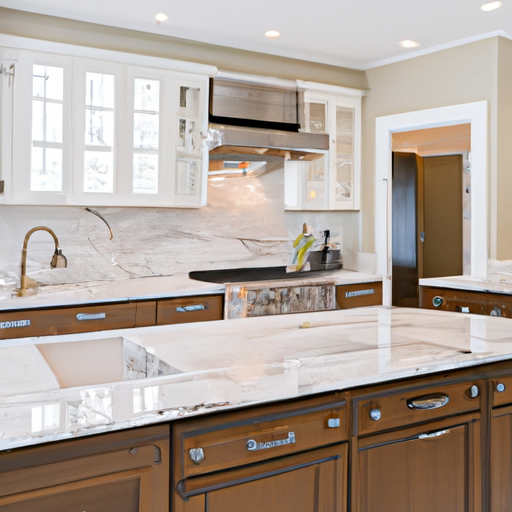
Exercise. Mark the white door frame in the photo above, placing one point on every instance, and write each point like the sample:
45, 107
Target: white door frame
385, 126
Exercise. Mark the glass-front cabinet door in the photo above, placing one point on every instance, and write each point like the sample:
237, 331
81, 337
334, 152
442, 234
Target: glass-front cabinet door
97, 132
331, 181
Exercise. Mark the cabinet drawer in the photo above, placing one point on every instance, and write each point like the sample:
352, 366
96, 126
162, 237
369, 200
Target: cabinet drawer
359, 295
387, 410
480, 303
501, 391
245, 441
44, 322
189, 309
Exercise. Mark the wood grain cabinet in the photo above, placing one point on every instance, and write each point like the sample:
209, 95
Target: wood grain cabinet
182, 310
127, 471
501, 444
99, 317
358, 295
463, 301
418, 449
288, 458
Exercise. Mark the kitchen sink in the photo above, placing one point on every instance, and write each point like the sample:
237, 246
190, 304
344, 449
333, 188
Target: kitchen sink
242, 275
100, 361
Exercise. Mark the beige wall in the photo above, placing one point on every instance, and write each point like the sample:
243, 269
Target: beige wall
458, 75
99, 36
502, 204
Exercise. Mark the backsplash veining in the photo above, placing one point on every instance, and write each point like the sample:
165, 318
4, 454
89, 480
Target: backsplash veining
243, 225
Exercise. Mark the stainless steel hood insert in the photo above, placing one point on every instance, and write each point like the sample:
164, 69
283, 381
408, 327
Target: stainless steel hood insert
259, 121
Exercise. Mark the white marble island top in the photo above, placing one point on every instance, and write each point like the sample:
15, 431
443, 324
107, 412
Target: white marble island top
227, 364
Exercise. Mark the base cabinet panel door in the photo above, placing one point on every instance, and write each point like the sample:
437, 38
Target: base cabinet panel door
420, 471
312, 482
125, 472
119, 492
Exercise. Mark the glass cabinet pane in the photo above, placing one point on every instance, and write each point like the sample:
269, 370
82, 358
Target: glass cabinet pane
47, 128
316, 117
189, 100
145, 173
99, 133
187, 176
99, 90
344, 178
146, 135
345, 131
99, 171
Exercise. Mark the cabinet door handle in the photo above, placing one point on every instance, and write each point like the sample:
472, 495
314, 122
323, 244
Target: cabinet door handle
90, 316
432, 435
253, 445
428, 402
193, 307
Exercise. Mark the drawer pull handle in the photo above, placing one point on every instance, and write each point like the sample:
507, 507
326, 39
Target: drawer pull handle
194, 307
437, 301
439, 433
359, 293
253, 446
428, 402
500, 387
90, 316
196, 455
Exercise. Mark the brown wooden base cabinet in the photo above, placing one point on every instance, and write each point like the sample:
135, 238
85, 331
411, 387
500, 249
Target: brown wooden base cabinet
418, 447
464, 301
287, 458
434, 443
126, 471
359, 295
100, 317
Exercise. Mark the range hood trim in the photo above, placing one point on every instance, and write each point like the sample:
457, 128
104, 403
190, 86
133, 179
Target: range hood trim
223, 135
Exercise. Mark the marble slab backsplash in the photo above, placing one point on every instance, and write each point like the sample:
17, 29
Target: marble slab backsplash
243, 225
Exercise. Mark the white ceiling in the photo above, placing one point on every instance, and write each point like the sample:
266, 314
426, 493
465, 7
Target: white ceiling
358, 34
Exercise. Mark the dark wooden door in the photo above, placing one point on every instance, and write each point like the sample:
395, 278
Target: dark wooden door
427, 472
427, 238
442, 206
405, 230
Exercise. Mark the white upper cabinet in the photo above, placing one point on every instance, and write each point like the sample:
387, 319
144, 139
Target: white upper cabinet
94, 132
333, 180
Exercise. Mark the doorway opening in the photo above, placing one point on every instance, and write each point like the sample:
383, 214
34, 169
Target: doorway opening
427, 221
474, 114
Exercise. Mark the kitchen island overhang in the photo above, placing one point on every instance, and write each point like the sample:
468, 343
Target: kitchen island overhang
231, 364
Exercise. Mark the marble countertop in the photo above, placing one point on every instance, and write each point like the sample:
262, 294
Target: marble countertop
494, 283
225, 364
146, 288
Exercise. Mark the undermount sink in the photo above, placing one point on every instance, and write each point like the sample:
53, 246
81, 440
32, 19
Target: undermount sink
242, 275
101, 361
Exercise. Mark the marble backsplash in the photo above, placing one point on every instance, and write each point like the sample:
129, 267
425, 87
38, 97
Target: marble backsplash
243, 225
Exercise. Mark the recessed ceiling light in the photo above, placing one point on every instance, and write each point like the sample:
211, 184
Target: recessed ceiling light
272, 33
161, 17
407, 43
491, 6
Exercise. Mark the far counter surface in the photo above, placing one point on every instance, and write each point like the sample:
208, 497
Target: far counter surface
148, 288
493, 284
234, 363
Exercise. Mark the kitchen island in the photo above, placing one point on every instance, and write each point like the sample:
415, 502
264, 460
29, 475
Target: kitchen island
361, 373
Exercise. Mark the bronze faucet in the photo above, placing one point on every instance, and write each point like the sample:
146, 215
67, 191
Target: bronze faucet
27, 285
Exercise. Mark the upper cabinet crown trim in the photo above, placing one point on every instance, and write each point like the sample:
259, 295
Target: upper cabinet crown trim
332, 89
25, 43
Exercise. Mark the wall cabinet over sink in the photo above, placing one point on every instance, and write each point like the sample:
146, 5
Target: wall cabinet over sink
102, 131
